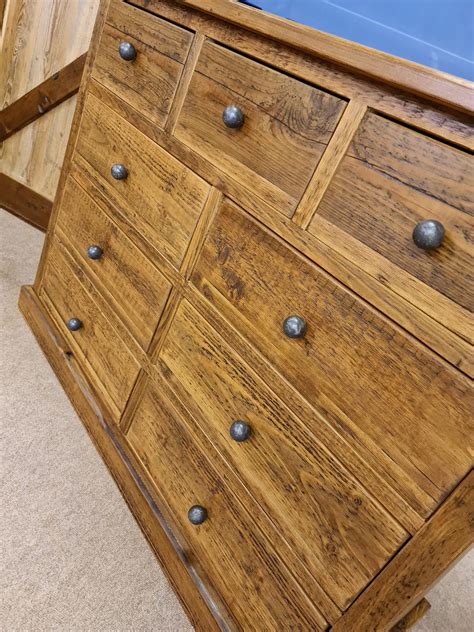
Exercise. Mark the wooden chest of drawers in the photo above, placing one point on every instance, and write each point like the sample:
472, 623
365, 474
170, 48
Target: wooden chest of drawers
257, 291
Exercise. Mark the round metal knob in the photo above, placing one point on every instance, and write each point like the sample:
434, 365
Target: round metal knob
119, 172
73, 324
233, 117
94, 252
127, 51
240, 430
197, 514
428, 234
294, 326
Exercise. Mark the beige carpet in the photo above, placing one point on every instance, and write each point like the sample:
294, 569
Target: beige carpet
72, 556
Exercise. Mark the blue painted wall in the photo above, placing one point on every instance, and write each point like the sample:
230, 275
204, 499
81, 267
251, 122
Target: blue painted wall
437, 33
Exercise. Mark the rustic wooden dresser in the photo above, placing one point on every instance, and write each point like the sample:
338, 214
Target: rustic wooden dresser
257, 290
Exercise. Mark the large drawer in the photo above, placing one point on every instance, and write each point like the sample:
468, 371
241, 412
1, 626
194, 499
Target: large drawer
386, 392
241, 566
342, 535
157, 194
148, 80
286, 127
138, 289
105, 358
392, 180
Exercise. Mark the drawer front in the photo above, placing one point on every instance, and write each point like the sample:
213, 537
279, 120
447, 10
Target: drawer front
137, 287
159, 195
286, 125
391, 180
105, 353
388, 393
148, 76
241, 566
338, 531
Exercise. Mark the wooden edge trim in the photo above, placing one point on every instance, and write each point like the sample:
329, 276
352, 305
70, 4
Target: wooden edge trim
24, 203
329, 162
418, 79
413, 616
420, 563
42, 98
185, 80
83, 400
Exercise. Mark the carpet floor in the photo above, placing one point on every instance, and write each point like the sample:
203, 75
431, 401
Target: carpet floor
72, 556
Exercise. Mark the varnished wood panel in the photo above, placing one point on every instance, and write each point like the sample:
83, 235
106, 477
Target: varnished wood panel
349, 354
138, 289
110, 360
286, 468
148, 82
255, 586
381, 191
283, 118
160, 195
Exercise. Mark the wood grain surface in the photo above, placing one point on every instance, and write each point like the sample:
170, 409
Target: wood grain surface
350, 354
341, 533
282, 117
148, 82
256, 587
138, 290
161, 195
110, 360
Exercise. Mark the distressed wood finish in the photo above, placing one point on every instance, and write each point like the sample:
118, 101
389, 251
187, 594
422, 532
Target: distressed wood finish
103, 351
282, 117
257, 589
286, 468
429, 435
148, 82
138, 290
381, 191
159, 194
361, 431
431, 552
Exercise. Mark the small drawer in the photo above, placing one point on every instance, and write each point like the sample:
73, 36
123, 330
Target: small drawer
411, 411
139, 290
379, 209
151, 189
310, 496
285, 124
105, 358
140, 59
222, 543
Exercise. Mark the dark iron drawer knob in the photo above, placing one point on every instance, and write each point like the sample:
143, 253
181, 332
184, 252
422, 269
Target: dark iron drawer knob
294, 326
428, 234
127, 51
73, 324
119, 172
240, 430
94, 252
197, 514
233, 117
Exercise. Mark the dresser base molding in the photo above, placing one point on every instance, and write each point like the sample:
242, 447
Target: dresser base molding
109, 448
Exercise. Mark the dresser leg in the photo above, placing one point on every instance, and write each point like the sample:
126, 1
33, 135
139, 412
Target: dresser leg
413, 616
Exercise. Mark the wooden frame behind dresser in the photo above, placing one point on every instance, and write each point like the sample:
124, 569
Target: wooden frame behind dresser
431, 103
